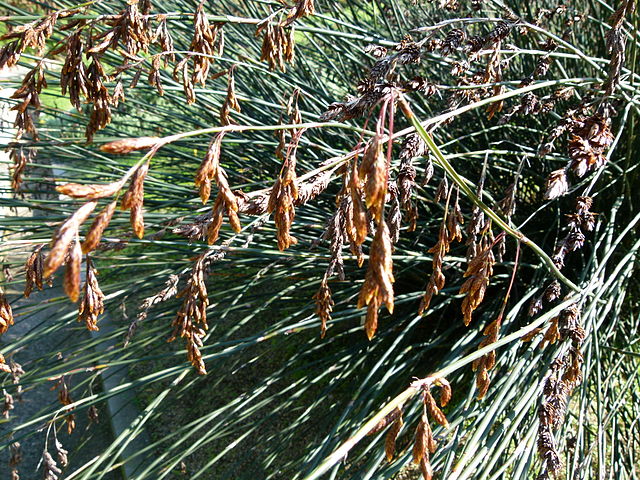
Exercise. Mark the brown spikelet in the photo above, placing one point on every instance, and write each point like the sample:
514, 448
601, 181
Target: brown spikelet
284, 195
421, 441
191, 320
324, 305
133, 199
231, 101
65, 399
437, 279
485, 363
391, 417
209, 167
278, 44
425, 469
478, 272
33, 271
128, 145
92, 304
64, 236
71, 280
445, 390
373, 170
378, 284
358, 212
300, 9
392, 435
6, 314
433, 410
89, 192
97, 228
226, 202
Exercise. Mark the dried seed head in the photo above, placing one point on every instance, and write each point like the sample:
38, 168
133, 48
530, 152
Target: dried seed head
34, 271
324, 305
378, 284
6, 314
386, 421
100, 223
433, 410
128, 145
390, 439
64, 236
374, 171
556, 184
92, 304
209, 167
231, 101
71, 281
89, 191
134, 197
478, 273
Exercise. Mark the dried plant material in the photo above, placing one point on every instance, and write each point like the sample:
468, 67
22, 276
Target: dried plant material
71, 280
8, 404
169, 291
485, 363
29, 96
324, 305
65, 399
230, 101
20, 157
191, 320
97, 228
437, 278
92, 304
616, 43
378, 283
6, 314
445, 390
51, 471
64, 236
478, 273
61, 453
3, 365
390, 418
209, 167
15, 458
284, 195
300, 9
207, 41
374, 171
455, 220
557, 184
128, 145
226, 203
391, 437
433, 410
133, 199
89, 191
358, 211
278, 44
591, 138
34, 271
31, 35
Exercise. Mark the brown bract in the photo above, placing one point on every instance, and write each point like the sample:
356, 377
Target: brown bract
374, 171
284, 194
378, 284
6, 314
230, 101
478, 273
133, 199
191, 321
89, 191
34, 269
100, 223
277, 45
71, 280
324, 305
128, 145
92, 304
209, 167
64, 236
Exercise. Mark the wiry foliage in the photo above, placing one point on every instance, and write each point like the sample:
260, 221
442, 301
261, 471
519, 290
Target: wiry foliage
407, 172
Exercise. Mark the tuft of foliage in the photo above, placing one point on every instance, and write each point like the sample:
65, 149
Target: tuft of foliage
347, 220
